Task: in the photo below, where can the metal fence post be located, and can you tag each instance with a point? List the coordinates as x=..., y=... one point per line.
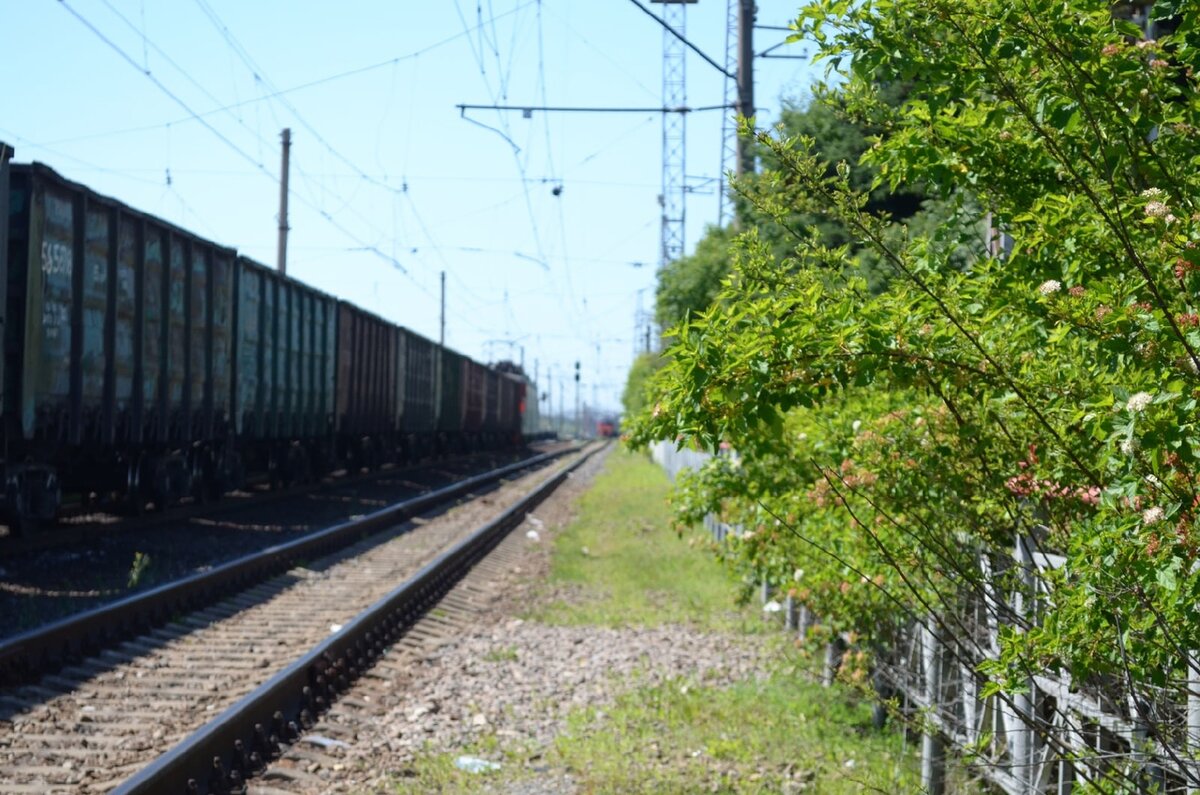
x=1193, y=721
x=933, y=747
x=1018, y=730
x=833, y=660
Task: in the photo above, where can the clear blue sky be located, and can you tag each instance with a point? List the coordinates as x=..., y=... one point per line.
x=390, y=185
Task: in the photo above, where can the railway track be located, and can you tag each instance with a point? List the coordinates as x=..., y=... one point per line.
x=34, y=650
x=272, y=656
x=319, y=758
x=77, y=524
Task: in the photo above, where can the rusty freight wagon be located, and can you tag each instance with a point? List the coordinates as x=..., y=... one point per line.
x=512, y=405
x=474, y=397
x=367, y=387
x=117, y=374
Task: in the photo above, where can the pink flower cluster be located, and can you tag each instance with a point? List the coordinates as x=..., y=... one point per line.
x=1026, y=485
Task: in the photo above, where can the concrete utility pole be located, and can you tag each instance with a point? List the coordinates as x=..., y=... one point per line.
x=745, y=81
x=442, y=333
x=281, y=257
x=6, y=153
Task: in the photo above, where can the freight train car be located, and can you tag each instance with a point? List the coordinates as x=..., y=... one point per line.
x=519, y=409
x=492, y=401
x=474, y=395
x=512, y=394
x=530, y=411
x=450, y=401
x=419, y=398
x=144, y=364
x=117, y=370
x=285, y=369
x=367, y=387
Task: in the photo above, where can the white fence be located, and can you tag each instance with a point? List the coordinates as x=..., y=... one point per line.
x=1057, y=737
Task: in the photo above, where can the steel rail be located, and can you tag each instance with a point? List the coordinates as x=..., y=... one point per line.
x=41, y=650
x=64, y=535
x=223, y=754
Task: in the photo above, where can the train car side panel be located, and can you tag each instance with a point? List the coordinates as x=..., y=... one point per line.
x=474, y=396
x=248, y=407
x=177, y=335
x=219, y=346
x=491, y=400
x=150, y=301
x=99, y=249
x=420, y=411
x=48, y=298
x=125, y=345
x=450, y=393
x=366, y=381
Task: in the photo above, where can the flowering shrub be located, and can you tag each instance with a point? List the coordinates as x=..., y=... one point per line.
x=893, y=440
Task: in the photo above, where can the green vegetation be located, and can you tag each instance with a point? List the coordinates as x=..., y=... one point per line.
x=783, y=734
x=624, y=566
x=138, y=569
x=633, y=398
x=620, y=563
x=910, y=399
x=507, y=654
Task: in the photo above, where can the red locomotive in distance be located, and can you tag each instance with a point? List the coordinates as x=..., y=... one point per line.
x=607, y=428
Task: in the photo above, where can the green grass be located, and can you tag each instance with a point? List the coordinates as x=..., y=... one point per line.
x=618, y=563
x=622, y=565
x=782, y=734
x=507, y=654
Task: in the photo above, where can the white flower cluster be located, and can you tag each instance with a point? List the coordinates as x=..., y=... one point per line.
x=1139, y=401
x=1050, y=287
x=1156, y=209
x=1153, y=515
x=1151, y=193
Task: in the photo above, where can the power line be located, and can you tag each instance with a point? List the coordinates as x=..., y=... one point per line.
x=530, y=109
x=186, y=74
x=683, y=39
x=193, y=116
x=221, y=136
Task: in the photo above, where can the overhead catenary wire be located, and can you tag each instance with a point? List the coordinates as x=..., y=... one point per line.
x=360, y=70
x=506, y=133
x=684, y=39
x=147, y=43
x=219, y=135
x=465, y=106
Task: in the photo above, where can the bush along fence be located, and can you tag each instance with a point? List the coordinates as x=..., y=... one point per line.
x=1051, y=734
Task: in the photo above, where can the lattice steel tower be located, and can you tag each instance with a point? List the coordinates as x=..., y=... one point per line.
x=729, y=122
x=674, y=151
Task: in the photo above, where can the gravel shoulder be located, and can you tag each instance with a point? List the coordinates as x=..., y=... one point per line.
x=500, y=687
